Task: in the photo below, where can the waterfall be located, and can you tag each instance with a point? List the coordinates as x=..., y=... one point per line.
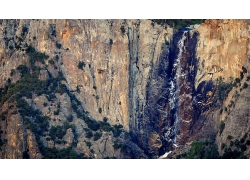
x=173, y=92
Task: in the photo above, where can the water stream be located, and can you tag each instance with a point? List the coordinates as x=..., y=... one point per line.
x=172, y=131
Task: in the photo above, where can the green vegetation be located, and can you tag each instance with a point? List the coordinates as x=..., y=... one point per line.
x=117, y=130
x=234, y=154
x=105, y=119
x=40, y=124
x=244, y=70
x=245, y=85
x=223, y=145
x=93, y=125
x=12, y=72
x=70, y=118
x=51, y=62
x=56, y=112
x=97, y=136
x=35, y=56
x=223, y=89
x=100, y=110
x=78, y=89
x=222, y=126
x=54, y=153
x=81, y=65
x=58, y=45
x=33, y=119
x=206, y=149
x=24, y=30
x=105, y=126
x=201, y=150
x=118, y=145
x=89, y=133
x=110, y=42
x=178, y=23
x=229, y=137
x=88, y=143
x=57, y=132
x=26, y=155
x=123, y=29
x=29, y=85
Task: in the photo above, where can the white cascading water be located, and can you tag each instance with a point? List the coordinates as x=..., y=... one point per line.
x=174, y=83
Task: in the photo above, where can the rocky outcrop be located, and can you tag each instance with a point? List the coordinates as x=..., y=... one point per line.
x=17, y=142
x=160, y=84
x=222, y=49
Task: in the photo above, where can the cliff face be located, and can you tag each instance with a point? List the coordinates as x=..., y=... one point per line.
x=113, y=53
x=163, y=86
x=222, y=49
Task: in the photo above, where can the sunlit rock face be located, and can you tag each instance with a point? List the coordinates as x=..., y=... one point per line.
x=159, y=83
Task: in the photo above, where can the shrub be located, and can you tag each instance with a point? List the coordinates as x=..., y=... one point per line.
x=248, y=142
x=24, y=30
x=105, y=119
x=23, y=70
x=178, y=23
x=223, y=145
x=57, y=57
x=118, y=145
x=56, y=112
x=12, y=72
x=203, y=150
x=223, y=89
x=78, y=89
x=58, y=45
x=70, y=118
x=93, y=125
x=105, y=126
x=88, y=143
x=244, y=70
x=45, y=104
x=97, y=136
x=26, y=155
x=62, y=89
x=245, y=85
x=89, y=134
x=60, y=76
x=229, y=154
x=123, y=29
x=100, y=110
x=117, y=130
x=237, y=143
x=229, y=137
x=231, y=143
x=222, y=126
x=35, y=56
x=57, y=132
x=81, y=65
x=51, y=62
x=110, y=42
